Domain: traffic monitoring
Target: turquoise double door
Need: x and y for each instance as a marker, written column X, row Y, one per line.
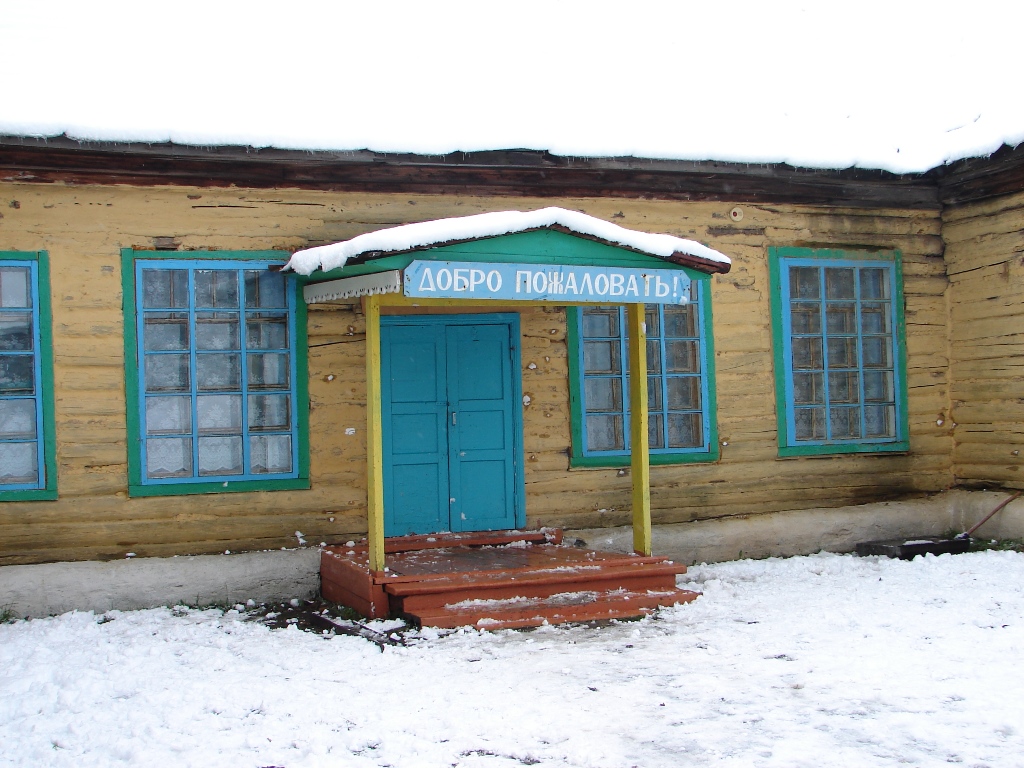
column 452, row 418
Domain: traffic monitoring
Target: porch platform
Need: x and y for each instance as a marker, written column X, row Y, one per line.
column 498, row 579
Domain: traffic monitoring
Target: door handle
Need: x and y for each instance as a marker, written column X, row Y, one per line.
column 453, row 418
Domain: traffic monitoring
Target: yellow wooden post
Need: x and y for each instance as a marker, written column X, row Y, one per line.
column 374, row 438
column 640, row 456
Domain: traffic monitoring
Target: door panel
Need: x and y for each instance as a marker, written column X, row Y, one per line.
column 482, row 455
column 450, row 412
column 414, row 409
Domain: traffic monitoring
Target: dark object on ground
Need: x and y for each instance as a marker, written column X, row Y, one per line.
column 908, row 549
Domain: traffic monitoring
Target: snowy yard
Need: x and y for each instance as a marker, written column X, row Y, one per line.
column 812, row 661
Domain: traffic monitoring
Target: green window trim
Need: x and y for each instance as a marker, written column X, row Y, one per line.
column 45, row 421
column 136, row 485
column 711, row 453
column 891, row 261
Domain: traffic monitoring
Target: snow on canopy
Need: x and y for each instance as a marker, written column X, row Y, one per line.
column 440, row 231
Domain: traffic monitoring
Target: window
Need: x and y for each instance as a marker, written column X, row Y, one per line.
column 27, row 452
column 679, row 383
column 839, row 348
column 218, row 392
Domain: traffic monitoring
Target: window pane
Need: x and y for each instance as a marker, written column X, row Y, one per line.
column 845, row 423
column 266, row 332
column 842, row 353
column 807, row 354
column 216, row 288
column 604, row 433
column 18, row 463
column 602, row 394
column 682, row 356
column 264, row 288
column 874, row 284
column 654, row 393
column 165, row 288
column 17, row 374
column 680, row 320
column 878, row 386
column 877, row 351
column 165, row 330
column 601, row 357
column 600, row 322
column 805, row 317
column 269, row 371
column 14, row 287
column 683, row 393
column 220, row 330
column 842, row 387
column 810, row 423
column 217, row 371
column 271, row 453
column 269, row 412
column 18, row 419
column 168, row 415
column 880, row 421
column 685, row 430
column 839, row 283
column 804, row 283
column 167, row 373
column 874, row 318
column 841, row 318
column 169, row 457
column 16, row 331
column 808, row 389
column 652, row 319
column 656, row 431
column 654, row 355
column 219, row 413
column 220, row 456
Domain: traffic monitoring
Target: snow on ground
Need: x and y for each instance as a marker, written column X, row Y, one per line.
column 903, row 86
column 813, row 661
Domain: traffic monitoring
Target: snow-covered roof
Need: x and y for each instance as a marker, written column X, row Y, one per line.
column 426, row 234
column 902, row 86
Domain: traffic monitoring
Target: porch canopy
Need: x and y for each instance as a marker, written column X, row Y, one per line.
column 544, row 257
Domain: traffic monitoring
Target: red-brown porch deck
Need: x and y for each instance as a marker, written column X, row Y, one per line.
column 498, row 579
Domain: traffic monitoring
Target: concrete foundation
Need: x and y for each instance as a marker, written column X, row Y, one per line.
column 53, row 588
column 147, row 582
column 805, row 531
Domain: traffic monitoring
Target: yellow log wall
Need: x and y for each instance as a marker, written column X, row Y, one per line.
column 83, row 229
column 985, row 257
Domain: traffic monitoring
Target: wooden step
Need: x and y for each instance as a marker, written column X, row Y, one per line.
column 634, row 574
column 470, row 539
column 559, row 608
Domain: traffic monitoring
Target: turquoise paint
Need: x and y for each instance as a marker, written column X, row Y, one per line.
column 452, row 424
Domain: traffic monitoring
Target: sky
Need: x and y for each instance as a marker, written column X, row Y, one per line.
column 902, row 86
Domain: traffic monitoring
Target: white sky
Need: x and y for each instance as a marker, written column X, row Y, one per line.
column 896, row 85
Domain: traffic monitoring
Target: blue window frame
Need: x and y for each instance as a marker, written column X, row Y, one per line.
column 680, row 387
column 216, row 375
column 27, row 468
column 839, row 351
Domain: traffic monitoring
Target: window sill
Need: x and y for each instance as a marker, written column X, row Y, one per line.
column 657, row 460
column 242, row 486
column 801, row 451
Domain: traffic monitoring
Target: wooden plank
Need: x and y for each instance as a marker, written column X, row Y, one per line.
column 640, row 458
